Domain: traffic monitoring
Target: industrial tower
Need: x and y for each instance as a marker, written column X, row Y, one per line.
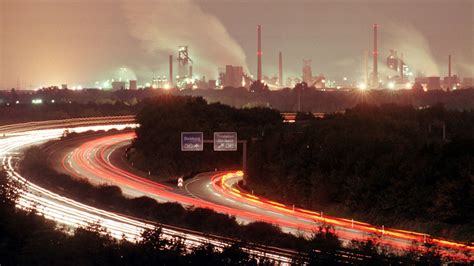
column 171, row 70
column 307, row 72
column 280, row 69
column 184, row 63
column 259, row 54
column 375, row 77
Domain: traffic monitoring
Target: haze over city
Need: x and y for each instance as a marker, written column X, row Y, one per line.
column 46, row 43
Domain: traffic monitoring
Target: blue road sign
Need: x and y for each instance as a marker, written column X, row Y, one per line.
column 192, row 141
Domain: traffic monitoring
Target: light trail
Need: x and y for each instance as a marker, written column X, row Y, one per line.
column 94, row 156
column 74, row 214
column 227, row 184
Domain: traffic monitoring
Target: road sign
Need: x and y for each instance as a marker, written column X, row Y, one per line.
column 180, row 182
column 225, row 141
column 192, row 141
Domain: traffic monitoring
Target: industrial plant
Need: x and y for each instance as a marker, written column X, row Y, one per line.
column 397, row 74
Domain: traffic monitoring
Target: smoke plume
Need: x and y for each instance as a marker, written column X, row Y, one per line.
column 86, row 42
column 162, row 26
column 415, row 48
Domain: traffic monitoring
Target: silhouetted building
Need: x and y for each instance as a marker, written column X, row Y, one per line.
column 308, row 78
column 132, row 85
column 233, row 76
column 433, row 83
column 450, row 83
column 118, row 85
column 467, row 83
column 212, row 84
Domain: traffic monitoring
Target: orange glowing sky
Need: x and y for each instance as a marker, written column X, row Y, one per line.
column 49, row 42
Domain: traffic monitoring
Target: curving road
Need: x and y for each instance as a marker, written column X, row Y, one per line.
column 99, row 159
column 15, row 138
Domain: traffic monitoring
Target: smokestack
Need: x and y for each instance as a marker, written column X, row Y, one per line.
column 190, row 72
column 401, row 67
column 280, row 69
column 375, row 78
column 171, row 69
column 449, row 67
column 366, row 62
column 259, row 54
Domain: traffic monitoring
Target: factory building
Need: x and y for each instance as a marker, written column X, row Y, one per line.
column 318, row 82
column 118, row 85
column 233, row 76
column 467, row 83
column 433, row 83
column 393, row 60
column 212, row 84
column 451, row 82
column 132, row 84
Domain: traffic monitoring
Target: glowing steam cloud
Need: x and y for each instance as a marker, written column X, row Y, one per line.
column 162, row 26
column 415, row 48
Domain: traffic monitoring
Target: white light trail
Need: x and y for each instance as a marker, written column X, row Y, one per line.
column 74, row 214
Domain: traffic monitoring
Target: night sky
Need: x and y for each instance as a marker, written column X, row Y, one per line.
column 49, row 42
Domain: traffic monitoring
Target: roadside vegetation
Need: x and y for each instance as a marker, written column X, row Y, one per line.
column 387, row 165
column 18, row 113
column 28, row 239
column 321, row 247
column 162, row 120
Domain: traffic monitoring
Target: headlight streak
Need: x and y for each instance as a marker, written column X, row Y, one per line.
column 227, row 184
column 74, row 214
column 93, row 156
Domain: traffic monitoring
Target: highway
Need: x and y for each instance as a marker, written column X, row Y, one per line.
column 99, row 159
column 15, row 138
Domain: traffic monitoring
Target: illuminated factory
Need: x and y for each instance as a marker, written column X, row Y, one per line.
column 318, row 82
column 233, row 76
column 396, row 75
column 396, row 63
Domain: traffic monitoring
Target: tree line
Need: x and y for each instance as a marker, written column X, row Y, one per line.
column 388, row 165
column 28, row 239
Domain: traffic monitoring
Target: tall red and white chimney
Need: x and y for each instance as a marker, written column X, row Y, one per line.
column 259, row 54
column 375, row 77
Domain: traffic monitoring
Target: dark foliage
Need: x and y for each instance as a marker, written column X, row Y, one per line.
column 28, row 112
column 164, row 118
column 387, row 165
column 28, row 239
column 381, row 164
column 35, row 166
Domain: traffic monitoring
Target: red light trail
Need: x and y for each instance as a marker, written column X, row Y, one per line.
column 92, row 160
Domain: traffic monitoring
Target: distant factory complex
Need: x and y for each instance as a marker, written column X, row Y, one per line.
column 396, row 75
